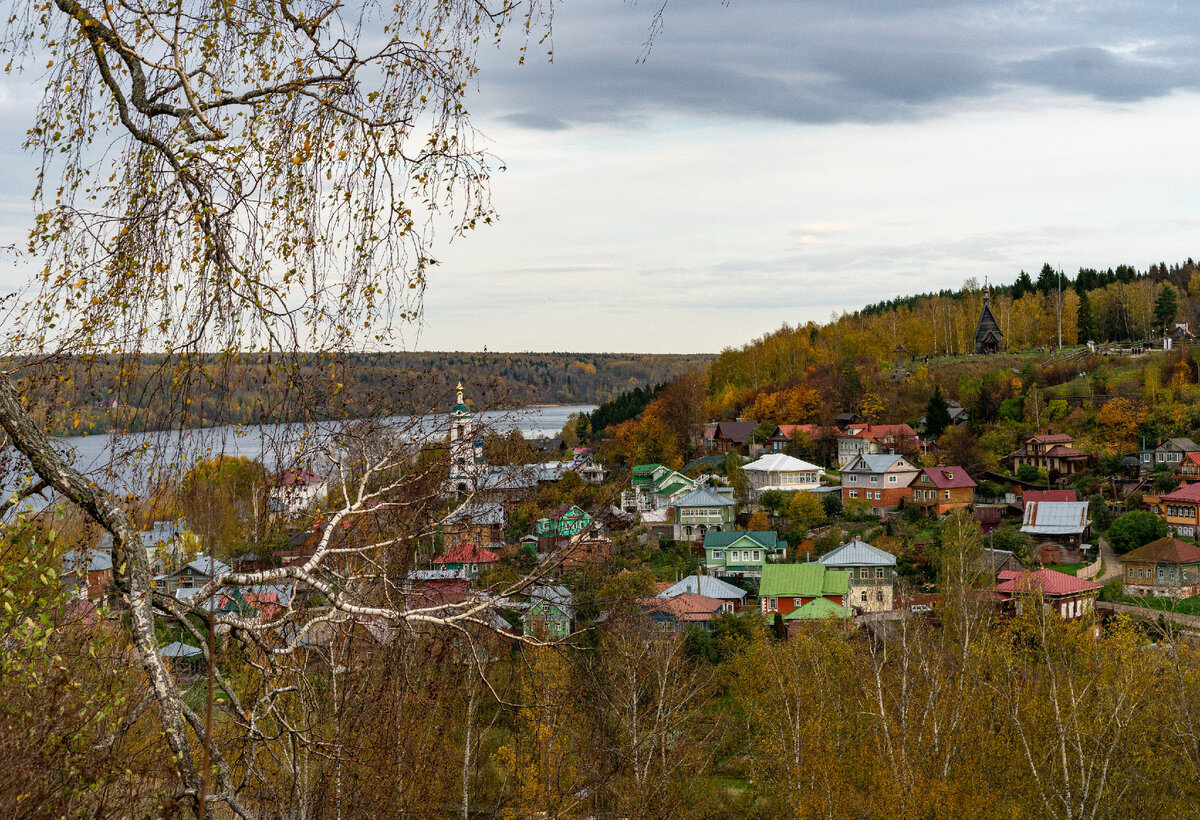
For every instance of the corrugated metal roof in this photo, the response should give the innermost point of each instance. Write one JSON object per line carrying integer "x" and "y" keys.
{"x": 1055, "y": 517}
{"x": 703, "y": 497}
{"x": 709, "y": 586}
{"x": 485, "y": 513}
{"x": 779, "y": 462}
{"x": 858, "y": 553}
{"x": 874, "y": 462}
{"x": 803, "y": 580}
{"x": 766, "y": 539}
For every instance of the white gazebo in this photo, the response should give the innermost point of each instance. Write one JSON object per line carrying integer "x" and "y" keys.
{"x": 782, "y": 472}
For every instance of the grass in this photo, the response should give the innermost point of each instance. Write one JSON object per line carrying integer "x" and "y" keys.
{"x": 1184, "y": 606}
{"x": 1069, "y": 569}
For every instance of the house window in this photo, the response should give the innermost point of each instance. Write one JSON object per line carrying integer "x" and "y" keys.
{"x": 891, "y": 479}
{"x": 864, "y": 596}
{"x": 874, "y": 479}
{"x": 879, "y": 572}
{"x": 1131, "y": 572}
{"x": 773, "y": 603}
{"x": 947, "y": 495}
{"x": 864, "y": 573}
{"x": 1139, "y": 572}
{"x": 853, "y": 479}
{"x": 916, "y": 493}
{"x": 717, "y": 555}
{"x": 1161, "y": 574}
{"x": 756, "y": 554}
{"x": 879, "y": 596}
{"x": 854, "y": 493}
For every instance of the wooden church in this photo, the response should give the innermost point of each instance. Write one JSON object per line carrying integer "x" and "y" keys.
{"x": 988, "y": 337}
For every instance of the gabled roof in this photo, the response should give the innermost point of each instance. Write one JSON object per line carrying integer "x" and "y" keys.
{"x": 802, "y": 581}
{"x": 709, "y": 586}
{"x": 686, "y": 607}
{"x": 877, "y": 463}
{"x": 1165, "y": 551}
{"x": 948, "y": 478}
{"x": 478, "y": 514}
{"x": 703, "y": 497}
{"x": 817, "y": 609}
{"x": 554, "y": 595}
{"x": 298, "y": 478}
{"x": 1188, "y": 492}
{"x": 736, "y": 431}
{"x": 1185, "y": 445}
{"x": 877, "y": 432}
{"x": 1046, "y": 581}
{"x": 209, "y": 567}
{"x": 1028, "y": 496}
{"x": 813, "y": 431}
{"x": 766, "y": 539}
{"x": 1055, "y": 517}
{"x": 857, "y": 553}
{"x": 467, "y": 554}
{"x": 780, "y": 463}
{"x": 96, "y": 561}
{"x": 177, "y": 649}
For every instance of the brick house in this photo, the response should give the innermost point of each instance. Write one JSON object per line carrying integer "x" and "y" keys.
{"x": 883, "y": 480}
{"x": 1166, "y": 568}
{"x": 942, "y": 489}
{"x": 874, "y": 439}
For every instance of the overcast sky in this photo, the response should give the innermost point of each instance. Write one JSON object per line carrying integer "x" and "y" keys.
{"x": 775, "y": 162}
{"x": 778, "y": 161}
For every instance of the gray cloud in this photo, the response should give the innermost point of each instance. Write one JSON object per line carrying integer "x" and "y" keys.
{"x": 857, "y": 61}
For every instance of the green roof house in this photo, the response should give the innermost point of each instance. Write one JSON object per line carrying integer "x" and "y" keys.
{"x": 741, "y": 553}
{"x": 655, "y": 487}
{"x": 787, "y": 588}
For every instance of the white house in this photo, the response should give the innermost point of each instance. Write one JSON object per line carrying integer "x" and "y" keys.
{"x": 782, "y": 472}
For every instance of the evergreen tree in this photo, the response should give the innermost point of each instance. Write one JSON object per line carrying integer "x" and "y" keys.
{"x": 1167, "y": 305}
{"x": 937, "y": 414}
{"x": 1022, "y": 286}
{"x": 1086, "y": 319}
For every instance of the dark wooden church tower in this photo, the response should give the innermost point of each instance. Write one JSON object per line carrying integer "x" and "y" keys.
{"x": 988, "y": 338}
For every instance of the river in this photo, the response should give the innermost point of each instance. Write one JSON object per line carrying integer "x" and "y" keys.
{"x": 143, "y": 459}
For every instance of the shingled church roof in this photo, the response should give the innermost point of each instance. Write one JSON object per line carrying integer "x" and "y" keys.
{"x": 988, "y": 336}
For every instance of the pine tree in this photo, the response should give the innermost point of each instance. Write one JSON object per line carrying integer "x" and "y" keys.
{"x": 937, "y": 414}
{"x": 1167, "y": 305}
{"x": 1086, "y": 319}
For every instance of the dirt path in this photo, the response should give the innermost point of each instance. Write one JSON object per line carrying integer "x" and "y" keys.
{"x": 1112, "y": 564}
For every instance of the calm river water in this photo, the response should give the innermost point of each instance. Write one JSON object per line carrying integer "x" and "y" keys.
{"x": 130, "y": 464}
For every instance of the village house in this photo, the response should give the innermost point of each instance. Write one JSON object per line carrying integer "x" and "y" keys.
{"x": 1166, "y": 568}
{"x": 655, "y": 487}
{"x": 471, "y": 558}
{"x": 777, "y": 471}
{"x": 1170, "y": 453}
{"x": 677, "y": 613}
{"x": 294, "y": 491}
{"x": 729, "y": 436}
{"x": 785, "y": 434}
{"x": 89, "y": 571}
{"x": 740, "y": 553}
{"x": 435, "y": 587}
{"x": 589, "y": 549}
{"x": 1180, "y": 509}
{"x": 1050, "y": 451}
{"x": 801, "y": 592}
{"x": 474, "y": 523}
{"x": 1059, "y": 530}
{"x": 997, "y": 562}
{"x": 710, "y": 587}
{"x": 883, "y": 480}
{"x": 1188, "y": 471}
{"x": 702, "y": 511}
{"x": 1033, "y": 496}
{"x": 871, "y": 571}
{"x": 1070, "y": 597}
{"x": 191, "y": 575}
{"x": 958, "y": 415}
{"x": 943, "y": 489}
{"x": 874, "y": 439}
{"x": 551, "y": 612}
{"x": 564, "y": 521}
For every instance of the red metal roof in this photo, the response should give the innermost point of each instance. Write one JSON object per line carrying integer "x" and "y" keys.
{"x": 467, "y": 554}
{"x": 1048, "y": 582}
{"x": 686, "y": 607}
{"x": 1048, "y": 495}
{"x": 1188, "y": 492}
{"x": 949, "y": 478}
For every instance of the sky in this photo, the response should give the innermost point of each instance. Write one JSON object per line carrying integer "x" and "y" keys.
{"x": 772, "y": 162}
{"x": 783, "y": 161}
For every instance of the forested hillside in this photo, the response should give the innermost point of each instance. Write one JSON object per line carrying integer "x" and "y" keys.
{"x": 104, "y": 395}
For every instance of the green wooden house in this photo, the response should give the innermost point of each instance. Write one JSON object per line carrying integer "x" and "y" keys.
{"x": 563, "y": 523}
{"x": 741, "y": 553}
{"x": 550, "y": 613}
{"x": 703, "y": 511}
